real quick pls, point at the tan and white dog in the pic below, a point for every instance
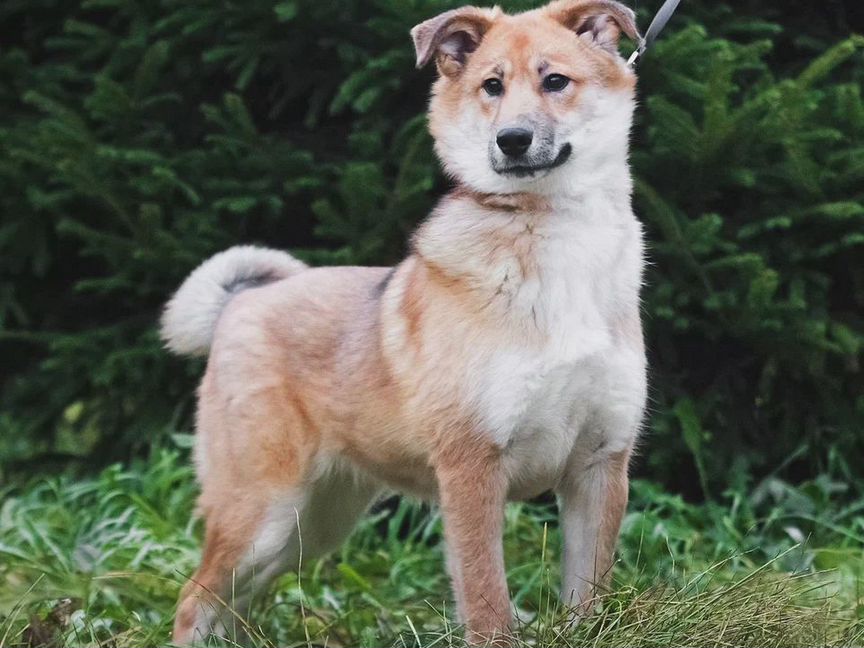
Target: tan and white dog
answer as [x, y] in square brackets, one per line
[501, 359]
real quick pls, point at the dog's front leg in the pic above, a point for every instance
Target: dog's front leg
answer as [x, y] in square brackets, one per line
[473, 491]
[591, 502]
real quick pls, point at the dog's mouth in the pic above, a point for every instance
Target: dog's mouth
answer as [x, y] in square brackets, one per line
[527, 170]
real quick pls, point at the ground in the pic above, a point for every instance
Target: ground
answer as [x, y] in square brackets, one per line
[99, 561]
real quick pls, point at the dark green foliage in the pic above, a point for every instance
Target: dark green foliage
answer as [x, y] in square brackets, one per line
[139, 137]
[753, 190]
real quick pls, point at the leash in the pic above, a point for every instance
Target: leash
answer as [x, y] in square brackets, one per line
[654, 29]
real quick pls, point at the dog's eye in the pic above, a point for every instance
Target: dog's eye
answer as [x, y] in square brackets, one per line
[493, 87]
[555, 82]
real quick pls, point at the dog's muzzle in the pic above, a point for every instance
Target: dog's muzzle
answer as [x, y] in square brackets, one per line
[521, 167]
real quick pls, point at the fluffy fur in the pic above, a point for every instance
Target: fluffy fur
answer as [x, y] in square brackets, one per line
[502, 358]
[189, 319]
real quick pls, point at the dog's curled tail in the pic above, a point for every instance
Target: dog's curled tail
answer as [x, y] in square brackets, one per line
[189, 319]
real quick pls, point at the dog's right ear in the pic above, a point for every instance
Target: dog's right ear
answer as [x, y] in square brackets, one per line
[451, 37]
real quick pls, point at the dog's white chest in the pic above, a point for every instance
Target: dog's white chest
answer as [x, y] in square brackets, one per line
[537, 400]
[536, 407]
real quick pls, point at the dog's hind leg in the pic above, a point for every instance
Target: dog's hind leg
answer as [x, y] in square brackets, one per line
[243, 551]
[269, 486]
[254, 538]
[252, 470]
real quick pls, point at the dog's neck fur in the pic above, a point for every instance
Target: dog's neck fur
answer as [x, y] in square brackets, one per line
[615, 187]
[524, 258]
[522, 201]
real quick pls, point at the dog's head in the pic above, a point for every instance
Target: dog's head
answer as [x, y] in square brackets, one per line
[531, 101]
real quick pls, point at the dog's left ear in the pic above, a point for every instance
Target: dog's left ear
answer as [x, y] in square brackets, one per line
[600, 22]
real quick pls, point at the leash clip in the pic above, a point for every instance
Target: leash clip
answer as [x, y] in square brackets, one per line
[637, 53]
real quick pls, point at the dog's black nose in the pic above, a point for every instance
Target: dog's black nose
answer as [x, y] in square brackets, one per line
[514, 141]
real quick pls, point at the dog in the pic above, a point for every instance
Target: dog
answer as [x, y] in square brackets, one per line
[502, 358]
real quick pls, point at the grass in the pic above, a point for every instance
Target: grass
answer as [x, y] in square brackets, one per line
[100, 562]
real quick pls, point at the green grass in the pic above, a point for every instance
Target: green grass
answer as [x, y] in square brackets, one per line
[101, 561]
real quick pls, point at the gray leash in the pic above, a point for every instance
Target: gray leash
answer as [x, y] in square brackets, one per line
[654, 30]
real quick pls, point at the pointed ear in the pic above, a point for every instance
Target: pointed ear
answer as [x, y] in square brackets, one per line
[600, 22]
[451, 37]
